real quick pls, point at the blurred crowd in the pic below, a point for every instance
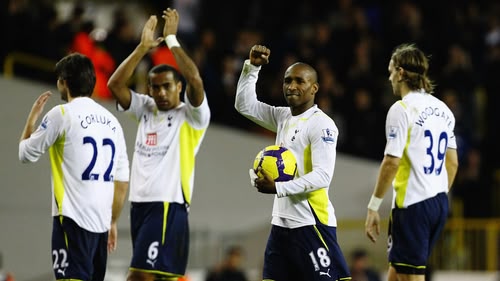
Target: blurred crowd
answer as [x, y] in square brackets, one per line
[349, 42]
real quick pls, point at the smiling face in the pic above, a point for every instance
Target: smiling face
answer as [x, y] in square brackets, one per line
[299, 87]
[164, 90]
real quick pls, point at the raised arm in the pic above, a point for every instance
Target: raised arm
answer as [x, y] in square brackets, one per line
[259, 55]
[246, 102]
[188, 69]
[117, 83]
[34, 114]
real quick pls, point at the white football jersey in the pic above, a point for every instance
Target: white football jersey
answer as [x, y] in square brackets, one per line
[165, 149]
[312, 137]
[87, 154]
[419, 130]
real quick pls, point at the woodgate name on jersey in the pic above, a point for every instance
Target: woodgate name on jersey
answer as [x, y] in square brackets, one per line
[429, 112]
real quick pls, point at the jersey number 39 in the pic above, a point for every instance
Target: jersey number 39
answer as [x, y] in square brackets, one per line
[442, 145]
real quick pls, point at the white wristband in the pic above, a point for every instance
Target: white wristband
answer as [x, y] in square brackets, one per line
[374, 203]
[171, 41]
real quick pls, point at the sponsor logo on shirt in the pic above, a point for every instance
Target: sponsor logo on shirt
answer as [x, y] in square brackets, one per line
[152, 139]
[328, 136]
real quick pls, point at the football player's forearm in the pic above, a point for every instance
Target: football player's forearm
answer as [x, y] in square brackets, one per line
[28, 130]
[29, 127]
[387, 172]
[305, 184]
[451, 166]
[119, 196]
[117, 83]
[191, 73]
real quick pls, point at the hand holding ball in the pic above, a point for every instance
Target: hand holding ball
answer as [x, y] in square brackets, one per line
[277, 161]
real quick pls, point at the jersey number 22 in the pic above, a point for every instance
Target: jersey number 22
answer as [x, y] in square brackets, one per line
[87, 174]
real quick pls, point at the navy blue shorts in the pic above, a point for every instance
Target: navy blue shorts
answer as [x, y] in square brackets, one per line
[305, 253]
[160, 238]
[77, 253]
[413, 231]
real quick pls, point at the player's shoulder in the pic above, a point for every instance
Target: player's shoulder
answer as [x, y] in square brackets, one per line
[320, 120]
[400, 104]
[399, 107]
[58, 112]
[318, 115]
[281, 113]
[141, 98]
[56, 109]
[431, 101]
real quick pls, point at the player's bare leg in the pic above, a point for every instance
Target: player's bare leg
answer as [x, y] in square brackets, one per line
[391, 274]
[140, 276]
[394, 276]
[143, 276]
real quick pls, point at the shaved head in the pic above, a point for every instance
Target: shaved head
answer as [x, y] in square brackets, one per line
[300, 86]
[308, 70]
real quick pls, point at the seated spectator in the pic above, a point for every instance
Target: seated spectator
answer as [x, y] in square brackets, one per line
[103, 62]
[361, 269]
[230, 268]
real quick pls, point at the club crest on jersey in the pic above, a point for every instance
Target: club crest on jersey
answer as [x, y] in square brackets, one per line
[295, 134]
[152, 139]
[393, 132]
[328, 136]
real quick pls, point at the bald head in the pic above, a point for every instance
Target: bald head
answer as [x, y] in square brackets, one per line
[306, 69]
[300, 85]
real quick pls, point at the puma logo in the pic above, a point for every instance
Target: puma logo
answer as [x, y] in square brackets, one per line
[327, 273]
[62, 272]
[151, 262]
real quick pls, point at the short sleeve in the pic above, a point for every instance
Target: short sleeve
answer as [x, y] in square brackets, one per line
[396, 130]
